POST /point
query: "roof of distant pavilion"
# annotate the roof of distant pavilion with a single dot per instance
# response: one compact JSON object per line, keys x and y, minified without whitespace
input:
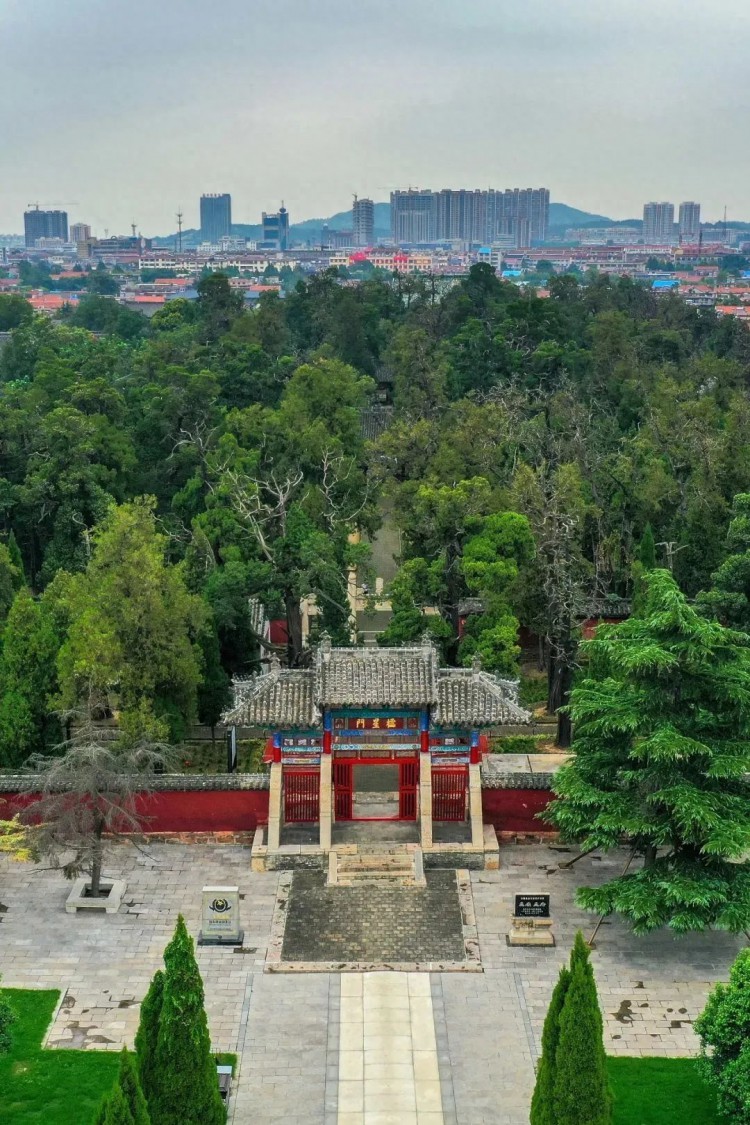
{"x":409,"y":677}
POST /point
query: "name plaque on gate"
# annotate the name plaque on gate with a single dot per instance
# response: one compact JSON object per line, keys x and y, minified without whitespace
{"x":532,"y":906}
{"x":220,"y":916}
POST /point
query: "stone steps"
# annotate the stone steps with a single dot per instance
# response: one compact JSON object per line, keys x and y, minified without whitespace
{"x":399,"y":865}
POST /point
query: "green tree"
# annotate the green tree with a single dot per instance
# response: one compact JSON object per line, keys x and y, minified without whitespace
{"x":724,"y":1031}
{"x":213,"y":691}
{"x":125,"y":1092}
{"x":662,"y":758}
{"x":14,"y":311}
{"x":27,"y":679}
{"x":728,"y":599}
{"x":491,"y":562}
{"x":116,"y":1110}
{"x":543,"y":1100}
{"x":147,"y":1036}
{"x":131,"y":639}
{"x":581,"y":1088}
{"x":187,"y":1089}
{"x":218,"y":305}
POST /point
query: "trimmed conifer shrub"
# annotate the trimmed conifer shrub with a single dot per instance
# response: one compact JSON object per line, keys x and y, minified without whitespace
{"x":117,"y":1112}
{"x":131,"y":1088}
{"x":147,"y":1036}
{"x":581,"y":1087}
{"x":184,"y":1080}
{"x":542,"y":1103}
{"x":724,"y":1030}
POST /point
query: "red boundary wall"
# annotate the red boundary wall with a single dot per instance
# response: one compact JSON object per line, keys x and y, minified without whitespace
{"x":515,"y":810}
{"x":242,"y":810}
{"x":179,"y":810}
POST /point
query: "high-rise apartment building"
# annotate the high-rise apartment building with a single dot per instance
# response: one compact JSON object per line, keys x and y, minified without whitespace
{"x":44,"y":224}
{"x":658,"y":224}
{"x":216,"y":216}
{"x":473,"y":216}
{"x":689,"y":222}
{"x":363,"y":222}
{"x":275,"y":230}
{"x":80,"y":232}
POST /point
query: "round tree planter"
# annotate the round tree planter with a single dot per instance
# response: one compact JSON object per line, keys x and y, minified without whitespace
{"x":80,"y":899}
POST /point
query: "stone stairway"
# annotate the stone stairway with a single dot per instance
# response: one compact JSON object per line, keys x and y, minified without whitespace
{"x":351,"y":865}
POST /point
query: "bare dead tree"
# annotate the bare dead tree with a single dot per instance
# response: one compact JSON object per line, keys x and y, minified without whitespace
{"x":93,"y":788}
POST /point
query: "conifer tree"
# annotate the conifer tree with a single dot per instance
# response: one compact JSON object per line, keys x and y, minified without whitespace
{"x":186,"y":1089}
{"x":729,"y":597}
{"x":581,"y":1088}
{"x":542,"y":1103}
{"x":662,"y":757}
{"x":724,"y":1031}
{"x":117,"y":1111}
{"x":147,"y":1036}
{"x":131,"y":1088}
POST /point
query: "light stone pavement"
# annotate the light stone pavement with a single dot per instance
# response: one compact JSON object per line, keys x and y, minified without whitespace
{"x":287,"y":1030}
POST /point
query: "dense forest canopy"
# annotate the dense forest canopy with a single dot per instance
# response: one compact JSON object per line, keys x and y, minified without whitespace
{"x":533,"y":444}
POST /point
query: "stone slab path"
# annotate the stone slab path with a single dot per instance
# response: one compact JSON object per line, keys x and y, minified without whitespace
{"x":388,"y":1063}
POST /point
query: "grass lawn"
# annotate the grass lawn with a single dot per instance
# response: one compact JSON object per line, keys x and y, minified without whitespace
{"x":661,"y":1092}
{"x":54,"y":1087}
{"x":59,"y":1087}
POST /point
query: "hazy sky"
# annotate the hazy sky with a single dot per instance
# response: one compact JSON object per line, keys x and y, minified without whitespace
{"x":121,"y":110}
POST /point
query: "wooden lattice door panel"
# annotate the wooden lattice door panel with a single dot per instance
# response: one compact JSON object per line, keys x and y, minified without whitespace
{"x":408,"y":779}
{"x":301,"y":796}
{"x":449,"y":788}
{"x":342,"y":790}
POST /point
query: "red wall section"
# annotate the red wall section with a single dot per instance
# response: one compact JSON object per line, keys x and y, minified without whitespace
{"x":195,"y":810}
{"x":515,"y":810}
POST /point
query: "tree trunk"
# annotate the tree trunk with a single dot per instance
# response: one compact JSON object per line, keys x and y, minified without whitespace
{"x":540,"y":654}
{"x":294,"y":629}
{"x":649,"y":855}
{"x":96,"y":861}
{"x":559,"y":697}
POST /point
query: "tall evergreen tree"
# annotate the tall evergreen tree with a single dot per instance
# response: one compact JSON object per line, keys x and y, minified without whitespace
{"x":543,"y":1101}
{"x":581,"y":1088}
{"x":185,"y":1081}
{"x":724,"y":1031}
{"x":147,"y":1036}
{"x":728,"y":599}
{"x":662,"y":758}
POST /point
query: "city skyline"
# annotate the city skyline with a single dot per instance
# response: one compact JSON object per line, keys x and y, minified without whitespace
{"x":127,"y":120}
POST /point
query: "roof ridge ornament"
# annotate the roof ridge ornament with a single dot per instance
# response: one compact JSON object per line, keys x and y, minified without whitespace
{"x":325,"y":647}
{"x":427,"y":640}
{"x":476,"y":664}
{"x":275,"y":664}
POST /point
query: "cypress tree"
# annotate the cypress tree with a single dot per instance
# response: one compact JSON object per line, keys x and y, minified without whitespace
{"x":147,"y":1035}
{"x":647,"y":549}
{"x":542,"y":1103}
{"x":184,"y":1078}
{"x":581,"y":1088}
{"x":117,"y":1111}
{"x":131,"y":1088}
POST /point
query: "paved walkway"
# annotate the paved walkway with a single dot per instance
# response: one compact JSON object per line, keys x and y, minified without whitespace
{"x":388,"y":1063}
{"x":295,"y":1050}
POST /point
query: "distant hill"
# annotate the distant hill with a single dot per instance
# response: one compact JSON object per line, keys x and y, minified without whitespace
{"x":561,"y":215}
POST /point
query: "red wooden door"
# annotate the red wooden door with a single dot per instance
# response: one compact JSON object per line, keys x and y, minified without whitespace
{"x":301,"y":796}
{"x":408,"y":777}
{"x":342,"y":790}
{"x":449,"y":793}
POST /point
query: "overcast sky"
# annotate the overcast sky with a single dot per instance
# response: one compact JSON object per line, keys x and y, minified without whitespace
{"x":123,"y":110}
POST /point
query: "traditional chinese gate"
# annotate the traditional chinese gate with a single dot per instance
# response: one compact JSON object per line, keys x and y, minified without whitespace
{"x":301,"y":795}
{"x":408,"y":778}
{"x":342,"y":790}
{"x":449,"y":793}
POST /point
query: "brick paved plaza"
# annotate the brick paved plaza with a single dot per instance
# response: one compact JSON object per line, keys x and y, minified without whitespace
{"x":314,"y":1047}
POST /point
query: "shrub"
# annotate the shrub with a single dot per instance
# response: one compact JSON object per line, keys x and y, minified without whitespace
{"x":724,"y":1031}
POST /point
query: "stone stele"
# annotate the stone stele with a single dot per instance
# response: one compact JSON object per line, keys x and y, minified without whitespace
{"x":220,"y":916}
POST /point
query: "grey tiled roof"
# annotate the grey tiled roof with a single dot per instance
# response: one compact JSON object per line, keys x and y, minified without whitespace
{"x":376,"y":677}
{"x":281,"y":698}
{"x":383,"y":677}
{"x":469,"y":697}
